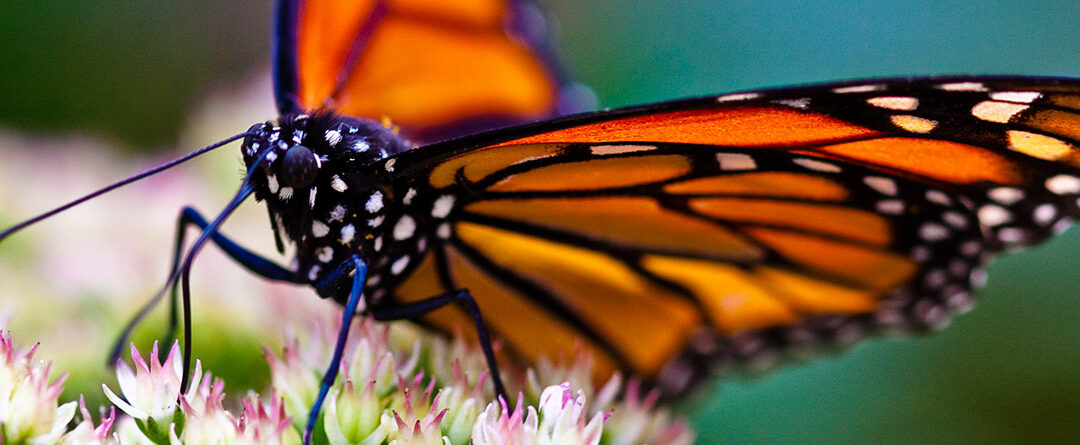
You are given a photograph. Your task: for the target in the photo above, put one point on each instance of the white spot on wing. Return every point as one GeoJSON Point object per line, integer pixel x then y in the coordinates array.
{"type": "Point", "coordinates": [311, 196]}
{"type": "Point", "coordinates": [1063, 184]}
{"type": "Point", "coordinates": [858, 89]}
{"type": "Point", "coordinates": [993, 215]}
{"type": "Point", "coordinates": [443, 231]}
{"type": "Point", "coordinates": [1044, 214]}
{"type": "Point", "coordinates": [443, 206]}
{"type": "Point", "coordinates": [933, 232]}
{"type": "Point", "coordinates": [914, 124]}
{"type": "Point", "coordinates": [1000, 112]}
{"type": "Point", "coordinates": [1016, 96]}
{"type": "Point", "coordinates": [313, 273]}
{"type": "Point", "coordinates": [389, 166]}
{"type": "Point", "coordinates": [955, 219]}
{"type": "Point", "coordinates": [1061, 225]}
{"type": "Point", "coordinates": [1006, 195]}
{"type": "Point", "coordinates": [617, 149]}
{"type": "Point", "coordinates": [899, 103]}
{"type": "Point", "coordinates": [890, 206]}
{"type": "Point", "coordinates": [816, 165]}
{"type": "Point", "coordinates": [1012, 235]}
{"type": "Point", "coordinates": [399, 266]}
{"type": "Point", "coordinates": [801, 103]}
{"type": "Point", "coordinates": [963, 86]}
{"type": "Point", "coordinates": [735, 161]}
{"type": "Point", "coordinates": [738, 97]}
{"type": "Point", "coordinates": [404, 228]}
{"type": "Point", "coordinates": [376, 221]}
{"type": "Point", "coordinates": [938, 197]}
{"type": "Point", "coordinates": [883, 185]}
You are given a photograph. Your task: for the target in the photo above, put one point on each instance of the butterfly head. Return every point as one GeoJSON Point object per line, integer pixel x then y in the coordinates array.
{"type": "Point", "coordinates": [299, 155]}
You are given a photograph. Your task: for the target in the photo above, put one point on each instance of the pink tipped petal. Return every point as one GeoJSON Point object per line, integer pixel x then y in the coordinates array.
{"type": "Point", "coordinates": [174, 359]}
{"type": "Point", "coordinates": [138, 360]}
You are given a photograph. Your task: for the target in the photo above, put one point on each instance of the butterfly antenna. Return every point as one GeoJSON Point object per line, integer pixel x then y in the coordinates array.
{"type": "Point", "coordinates": [155, 170]}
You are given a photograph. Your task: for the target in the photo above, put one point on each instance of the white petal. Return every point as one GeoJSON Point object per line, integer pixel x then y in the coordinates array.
{"type": "Point", "coordinates": [174, 357]}
{"type": "Point", "coordinates": [63, 415]}
{"type": "Point", "coordinates": [124, 406]}
{"type": "Point", "coordinates": [125, 377]}
{"type": "Point", "coordinates": [196, 377]}
{"type": "Point", "coordinates": [164, 403]}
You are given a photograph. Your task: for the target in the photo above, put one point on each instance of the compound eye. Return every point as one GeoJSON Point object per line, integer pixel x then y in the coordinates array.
{"type": "Point", "coordinates": [298, 167]}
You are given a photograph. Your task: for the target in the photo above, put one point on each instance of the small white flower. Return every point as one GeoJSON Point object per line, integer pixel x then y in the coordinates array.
{"type": "Point", "coordinates": [151, 392]}
{"type": "Point", "coordinates": [265, 422]}
{"type": "Point", "coordinates": [86, 433]}
{"type": "Point", "coordinates": [560, 421]}
{"type": "Point", "coordinates": [28, 411]}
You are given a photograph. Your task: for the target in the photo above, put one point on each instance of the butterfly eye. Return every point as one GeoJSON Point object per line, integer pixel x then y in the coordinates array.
{"type": "Point", "coordinates": [298, 167]}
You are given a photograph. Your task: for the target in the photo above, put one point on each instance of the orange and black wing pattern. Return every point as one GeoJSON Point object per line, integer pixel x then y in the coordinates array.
{"type": "Point", "coordinates": [672, 239]}
{"type": "Point", "coordinates": [436, 69]}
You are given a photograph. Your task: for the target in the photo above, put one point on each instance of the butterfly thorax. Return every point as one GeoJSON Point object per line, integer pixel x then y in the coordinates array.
{"type": "Point", "coordinates": [320, 187]}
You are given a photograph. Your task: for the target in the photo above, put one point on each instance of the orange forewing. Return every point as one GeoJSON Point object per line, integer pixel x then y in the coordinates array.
{"type": "Point", "coordinates": [426, 64]}
{"type": "Point", "coordinates": [740, 127]}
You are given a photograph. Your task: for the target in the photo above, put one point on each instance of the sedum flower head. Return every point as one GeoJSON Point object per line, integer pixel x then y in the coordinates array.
{"type": "Point", "coordinates": [85, 433]}
{"type": "Point", "coordinates": [151, 392]}
{"type": "Point", "coordinates": [263, 421]}
{"type": "Point", "coordinates": [560, 420]}
{"type": "Point", "coordinates": [413, 388]}
{"type": "Point", "coordinates": [259, 422]}
{"type": "Point", "coordinates": [28, 402]}
{"type": "Point", "coordinates": [392, 389]}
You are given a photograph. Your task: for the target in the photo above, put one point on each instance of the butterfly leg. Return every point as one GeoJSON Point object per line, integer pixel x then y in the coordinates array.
{"type": "Point", "coordinates": [418, 308]}
{"type": "Point", "coordinates": [358, 269]}
{"type": "Point", "coordinates": [255, 263]}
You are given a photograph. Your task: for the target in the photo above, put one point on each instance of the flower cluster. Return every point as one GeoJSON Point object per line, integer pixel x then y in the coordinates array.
{"type": "Point", "coordinates": [397, 385]}
{"type": "Point", "coordinates": [28, 402]}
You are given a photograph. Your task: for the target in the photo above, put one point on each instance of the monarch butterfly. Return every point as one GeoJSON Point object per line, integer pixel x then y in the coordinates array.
{"type": "Point", "coordinates": [916, 88]}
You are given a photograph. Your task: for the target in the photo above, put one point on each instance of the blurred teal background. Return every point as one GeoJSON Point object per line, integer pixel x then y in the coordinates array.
{"type": "Point", "coordinates": [1008, 372]}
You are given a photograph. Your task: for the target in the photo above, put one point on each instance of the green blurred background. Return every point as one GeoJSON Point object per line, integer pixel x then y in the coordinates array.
{"type": "Point", "coordinates": [1008, 372]}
